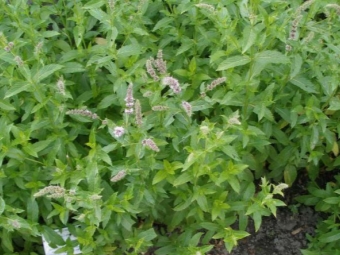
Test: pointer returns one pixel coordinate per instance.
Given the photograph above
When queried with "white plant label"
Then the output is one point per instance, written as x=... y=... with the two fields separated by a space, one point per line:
x=65 y=234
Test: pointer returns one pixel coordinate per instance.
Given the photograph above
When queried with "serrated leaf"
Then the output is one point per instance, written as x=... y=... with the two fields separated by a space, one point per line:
x=304 y=84
x=334 y=104
x=45 y=72
x=73 y=67
x=94 y=4
x=51 y=236
x=183 y=178
x=49 y=34
x=6 y=240
x=186 y=45
x=17 y=88
x=32 y=210
x=162 y=23
x=296 y=66
x=2 y=205
x=160 y=176
x=148 y=235
x=100 y=15
x=129 y=50
x=271 y=56
x=233 y=62
x=290 y=174
x=6 y=106
x=249 y=37
x=330 y=237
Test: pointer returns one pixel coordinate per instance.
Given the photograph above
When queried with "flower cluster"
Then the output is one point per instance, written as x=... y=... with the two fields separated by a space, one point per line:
x=117 y=132
x=159 y=108
x=9 y=46
x=303 y=7
x=129 y=100
x=83 y=112
x=38 y=48
x=159 y=63
x=234 y=119
x=187 y=108
x=111 y=4
x=150 y=144
x=51 y=192
x=61 y=86
x=15 y=224
x=216 y=82
x=293 y=30
x=336 y=7
x=120 y=175
x=172 y=83
x=138 y=110
x=207 y=7
x=151 y=71
x=19 y=61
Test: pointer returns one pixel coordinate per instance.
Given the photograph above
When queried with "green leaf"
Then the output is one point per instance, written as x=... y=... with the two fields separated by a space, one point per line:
x=2 y=205
x=129 y=50
x=186 y=45
x=32 y=210
x=160 y=176
x=304 y=84
x=6 y=105
x=249 y=38
x=73 y=67
x=203 y=203
x=234 y=183
x=45 y=72
x=334 y=104
x=99 y=15
x=332 y=200
x=330 y=237
x=6 y=240
x=52 y=237
x=17 y=88
x=94 y=4
x=162 y=23
x=271 y=56
x=49 y=34
x=183 y=178
x=296 y=66
x=290 y=174
x=233 y=62
x=148 y=235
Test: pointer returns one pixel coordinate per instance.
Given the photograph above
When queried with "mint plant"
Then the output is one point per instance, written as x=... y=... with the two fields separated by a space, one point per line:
x=150 y=123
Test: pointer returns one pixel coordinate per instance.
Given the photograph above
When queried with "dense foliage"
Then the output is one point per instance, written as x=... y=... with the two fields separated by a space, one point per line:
x=163 y=124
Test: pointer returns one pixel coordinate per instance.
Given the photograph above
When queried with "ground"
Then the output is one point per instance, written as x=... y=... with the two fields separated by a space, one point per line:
x=283 y=235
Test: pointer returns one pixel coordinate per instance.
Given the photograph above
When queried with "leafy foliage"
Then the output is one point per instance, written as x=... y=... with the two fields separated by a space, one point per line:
x=142 y=124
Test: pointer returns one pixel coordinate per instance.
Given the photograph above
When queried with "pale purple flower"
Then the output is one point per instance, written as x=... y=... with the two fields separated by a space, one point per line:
x=61 y=86
x=129 y=111
x=138 y=110
x=129 y=100
x=172 y=83
x=208 y=7
x=216 y=82
x=187 y=108
x=118 y=132
x=51 y=192
x=150 y=144
x=151 y=71
x=160 y=63
x=159 y=108
x=19 y=61
x=120 y=175
x=83 y=112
